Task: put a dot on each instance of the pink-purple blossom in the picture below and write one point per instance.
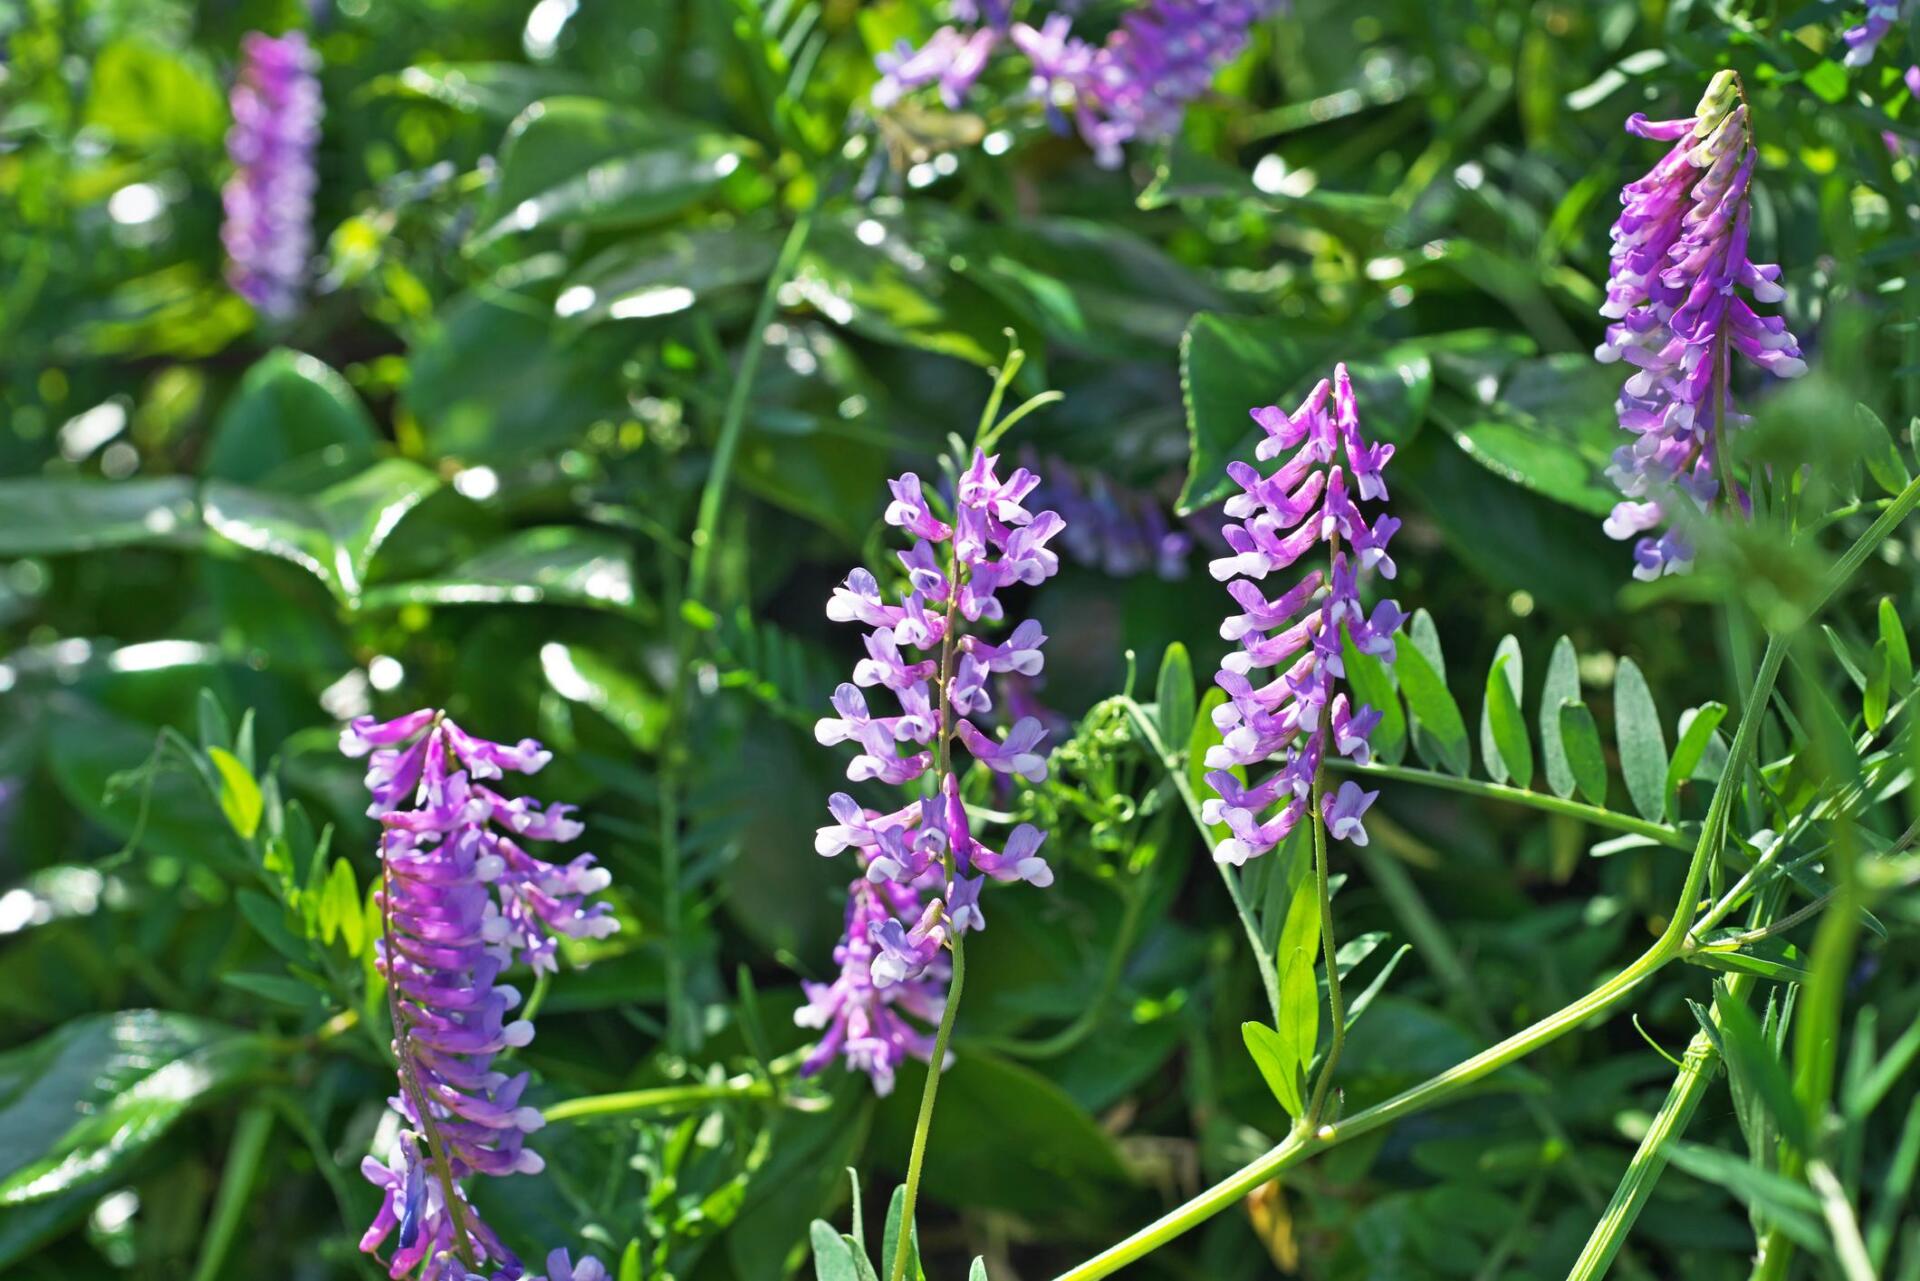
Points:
(461, 900)
(1863, 39)
(1312, 500)
(921, 865)
(1679, 262)
(268, 231)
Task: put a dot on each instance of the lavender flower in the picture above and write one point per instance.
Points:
(922, 868)
(1121, 529)
(1306, 502)
(1134, 87)
(1863, 40)
(460, 899)
(269, 200)
(1679, 251)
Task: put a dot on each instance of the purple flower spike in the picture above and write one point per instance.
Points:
(921, 868)
(269, 200)
(461, 899)
(1290, 709)
(1679, 259)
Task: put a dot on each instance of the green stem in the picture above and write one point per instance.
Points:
(1671, 837)
(1336, 1004)
(1066, 1038)
(236, 1186)
(658, 1099)
(917, 1158)
(1305, 1140)
(713, 494)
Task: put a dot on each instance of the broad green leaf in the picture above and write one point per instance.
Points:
(1893, 635)
(1562, 686)
(1373, 686)
(1232, 365)
(1174, 696)
(341, 910)
(142, 94)
(496, 90)
(556, 564)
(1502, 722)
(52, 516)
(239, 793)
(587, 677)
(630, 1262)
(211, 718)
(1273, 1055)
(78, 1105)
(832, 1255)
(269, 920)
(1643, 747)
(1696, 733)
(584, 162)
(1580, 738)
(1881, 455)
(289, 408)
(1507, 651)
(667, 273)
(1433, 708)
(1550, 427)
(277, 988)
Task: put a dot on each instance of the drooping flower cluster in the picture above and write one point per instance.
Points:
(268, 231)
(1679, 252)
(922, 868)
(1122, 530)
(1863, 40)
(1133, 87)
(1312, 499)
(461, 899)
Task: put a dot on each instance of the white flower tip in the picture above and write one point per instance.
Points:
(518, 1033)
(528, 1119)
(489, 867)
(1232, 850)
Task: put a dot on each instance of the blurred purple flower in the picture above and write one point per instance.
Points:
(460, 900)
(921, 866)
(1679, 251)
(1123, 531)
(268, 231)
(1863, 41)
(1304, 503)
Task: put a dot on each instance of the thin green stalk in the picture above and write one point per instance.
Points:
(1336, 1004)
(1080, 1028)
(1660, 833)
(917, 1158)
(244, 1156)
(1306, 1141)
(658, 1099)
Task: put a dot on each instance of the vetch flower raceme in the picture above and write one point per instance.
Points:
(1679, 259)
(1133, 87)
(1122, 530)
(1311, 500)
(269, 200)
(921, 866)
(461, 899)
(1863, 40)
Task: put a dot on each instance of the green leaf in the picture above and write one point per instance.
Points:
(1879, 452)
(1748, 962)
(545, 565)
(1754, 1067)
(890, 1239)
(584, 162)
(341, 913)
(52, 516)
(277, 988)
(496, 90)
(1174, 696)
(832, 1255)
(668, 273)
(1433, 708)
(1274, 1056)
(1231, 365)
(1893, 635)
(239, 794)
(142, 94)
(1562, 686)
(587, 677)
(978, 1272)
(1643, 747)
(1696, 732)
(1502, 726)
(289, 408)
(1549, 428)
(1783, 1201)
(1580, 738)
(1373, 686)
(80, 1104)
(1878, 693)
